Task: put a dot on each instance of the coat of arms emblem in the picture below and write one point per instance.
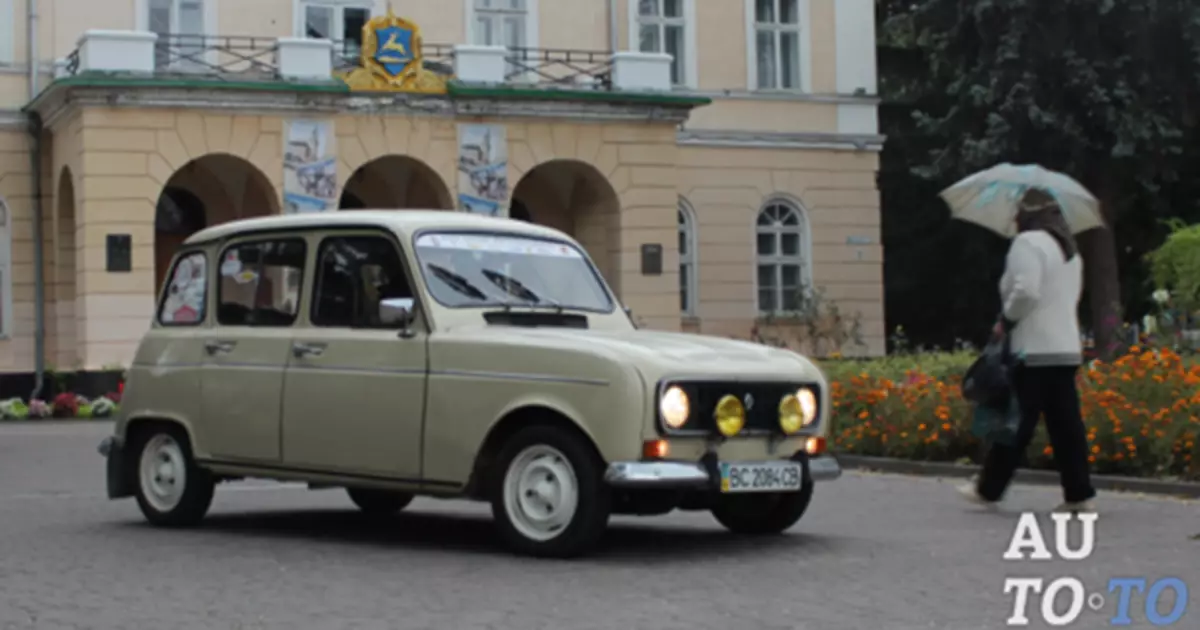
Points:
(391, 59)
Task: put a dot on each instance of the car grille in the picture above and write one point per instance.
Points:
(762, 416)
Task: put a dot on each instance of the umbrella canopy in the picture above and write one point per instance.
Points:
(989, 198)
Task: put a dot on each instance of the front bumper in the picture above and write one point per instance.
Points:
(700, 474)
(117, 470)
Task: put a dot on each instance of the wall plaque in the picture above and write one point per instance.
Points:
(652, 255)
(119, 252)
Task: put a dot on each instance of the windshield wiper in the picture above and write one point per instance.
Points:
(515, 288)
(456, 282)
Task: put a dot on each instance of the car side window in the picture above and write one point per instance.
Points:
(260, 283)
(186, 292)
(353, 274)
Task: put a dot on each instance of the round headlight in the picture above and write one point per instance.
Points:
(791, 418)
(808, 404)
(730, 415)
(674, 407)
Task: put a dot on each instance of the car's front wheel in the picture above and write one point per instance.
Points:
(763, 513)
(548, 494)
(171, 489)
(379, 502)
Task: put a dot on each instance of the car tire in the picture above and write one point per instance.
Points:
(379, 502)
(548, 494)
(171, 490)
(761, 514)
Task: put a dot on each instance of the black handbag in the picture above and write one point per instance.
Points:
(989, 382)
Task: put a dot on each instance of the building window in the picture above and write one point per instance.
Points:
(508, 23)
(777, 43)
(8, 32)
(687, 259)
(662, 27)
(334, 20)
(180, 27)
(783, 268)
(501, 23)
(5, 272)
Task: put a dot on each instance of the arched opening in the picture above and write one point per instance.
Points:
(573, 197)
(65, 332)
(209, 190)
(519, 212)
(395, 182)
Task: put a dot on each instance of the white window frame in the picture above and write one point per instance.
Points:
(339, 7)
(531, 28)
(6, 281)
(208, 8)
(8, 32)
(687, 229)
(690, 69)
(804, 259)
(803, 19)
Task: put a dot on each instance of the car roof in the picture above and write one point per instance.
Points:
(403, 221)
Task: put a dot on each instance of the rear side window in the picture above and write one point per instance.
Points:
(186, 292)
(260, 283)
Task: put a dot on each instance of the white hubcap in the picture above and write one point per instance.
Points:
(162, 472)
(541, 492)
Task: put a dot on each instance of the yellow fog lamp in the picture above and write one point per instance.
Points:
(674, 407)
(791, 418)
(808, 404)
(730, 415)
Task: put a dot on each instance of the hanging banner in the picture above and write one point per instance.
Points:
(309, 166)
(483, 169)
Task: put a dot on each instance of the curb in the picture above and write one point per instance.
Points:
(53, 422)
(1184, 489)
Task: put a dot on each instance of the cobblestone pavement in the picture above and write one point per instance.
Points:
(875, 552)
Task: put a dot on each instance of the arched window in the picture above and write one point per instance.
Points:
(783, 269)
(687, 259)
(5, 272)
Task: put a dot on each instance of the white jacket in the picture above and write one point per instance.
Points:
(1040, 292)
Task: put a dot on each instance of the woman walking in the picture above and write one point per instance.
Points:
(1040, 291)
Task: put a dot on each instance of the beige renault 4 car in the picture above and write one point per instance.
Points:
(444, 354)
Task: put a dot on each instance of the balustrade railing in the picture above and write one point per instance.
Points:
(560, 67)
(251, 57)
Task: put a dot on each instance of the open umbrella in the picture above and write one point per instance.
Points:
(989, 198)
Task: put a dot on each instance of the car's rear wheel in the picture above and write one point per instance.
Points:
(379, 502)
(758, 514)
(171, 489)
(548, 495)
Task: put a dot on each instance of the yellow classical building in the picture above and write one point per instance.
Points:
(714, 158)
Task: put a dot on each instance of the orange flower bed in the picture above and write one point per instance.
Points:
(1142, 413)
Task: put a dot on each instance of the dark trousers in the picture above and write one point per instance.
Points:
(1051, 391)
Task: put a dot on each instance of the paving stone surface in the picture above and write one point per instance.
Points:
(875, 552)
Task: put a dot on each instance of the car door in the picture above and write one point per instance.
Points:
(247, 349)
(354, 395)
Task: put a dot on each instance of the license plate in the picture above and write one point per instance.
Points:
(778, 476)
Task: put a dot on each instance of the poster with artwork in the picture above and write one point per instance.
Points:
(483, 169)
(309, 166)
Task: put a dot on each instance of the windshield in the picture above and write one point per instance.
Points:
(472, 270)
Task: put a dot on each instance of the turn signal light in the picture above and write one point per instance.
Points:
(815, 445)
(656, 449)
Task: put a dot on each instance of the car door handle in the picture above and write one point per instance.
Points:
(301, 349)
(213, 346)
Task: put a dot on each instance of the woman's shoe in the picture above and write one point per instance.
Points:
(971, 493)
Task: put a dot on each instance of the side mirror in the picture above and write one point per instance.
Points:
(396, 311)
